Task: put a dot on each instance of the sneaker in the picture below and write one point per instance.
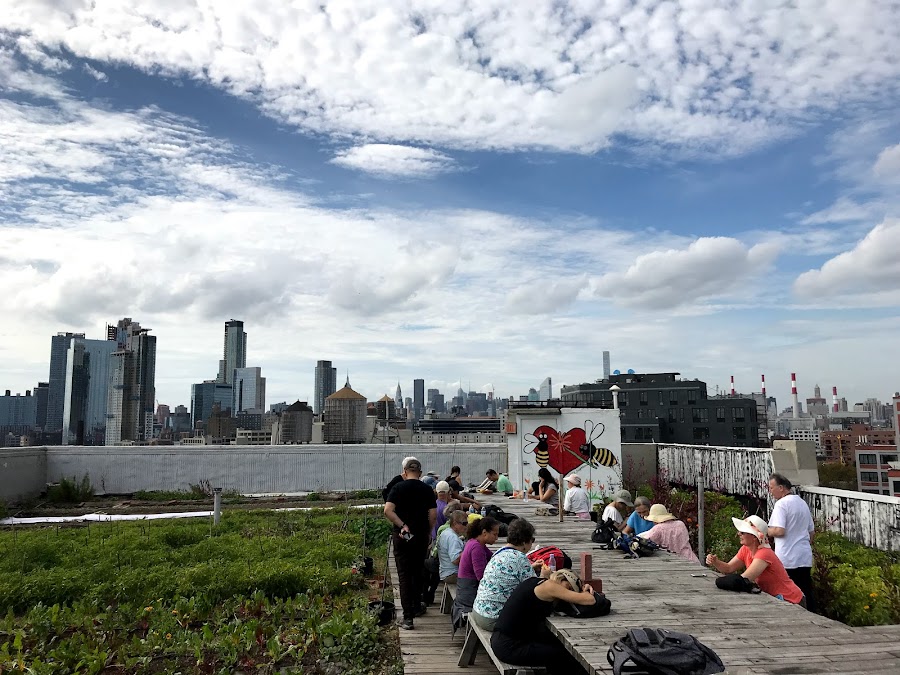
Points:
(407, 624)
(422, 609)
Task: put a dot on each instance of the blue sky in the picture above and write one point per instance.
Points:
(478, 191)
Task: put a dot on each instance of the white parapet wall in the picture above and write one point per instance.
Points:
(737, 471)
(262, 469)
(871, 520)
(23, 473)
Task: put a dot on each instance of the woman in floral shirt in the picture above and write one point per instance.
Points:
(507, 569)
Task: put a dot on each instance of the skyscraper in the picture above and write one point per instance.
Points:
(545, 393)
(606, 372)
(249, 391)
(205, 395)
(398, 399)
(418, 399)
(132, 383)
(325, 385)
(234, 350)
(87, 391)
(59, 345)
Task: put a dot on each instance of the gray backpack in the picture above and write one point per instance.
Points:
(658, 651)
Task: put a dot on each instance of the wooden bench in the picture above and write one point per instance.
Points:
(478, 637)
(448, 597)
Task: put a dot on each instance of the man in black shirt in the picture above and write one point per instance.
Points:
(412, 509)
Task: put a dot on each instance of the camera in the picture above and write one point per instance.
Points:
(406, 535)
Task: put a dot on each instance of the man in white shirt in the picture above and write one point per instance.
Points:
(792, 527)
(577, 500)
(612, 511)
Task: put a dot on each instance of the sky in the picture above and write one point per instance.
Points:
(485, 193)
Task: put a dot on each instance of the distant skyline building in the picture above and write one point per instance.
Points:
(18, 414)
(132, 384)
(234, 350)
(56, 392)
(325, 385)
(41, 393)
(606, 371)
(398, 399)
(206, 395)
(86, 391)
(545, 393)
(248, 391)
(418, 399)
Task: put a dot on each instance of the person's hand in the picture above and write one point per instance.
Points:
(588, 589)
(476, 504)
(712, 560)
(545, 572)
(537, 566)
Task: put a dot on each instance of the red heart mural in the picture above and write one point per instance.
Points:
(559, 450)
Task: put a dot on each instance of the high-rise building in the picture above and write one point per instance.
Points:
(606, 372)
(418, 399)
(248, 391)
(234, 350)
(41, 393)
(132, 384)
(325, 385)
(398, 399)
(206, 395)
(87, 391)
(18, 414)
(56, 392)
(545, 393)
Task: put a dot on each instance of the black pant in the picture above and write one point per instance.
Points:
(803, 578)
(410, 559)
(547, 652)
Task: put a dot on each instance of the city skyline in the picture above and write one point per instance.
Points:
(496, 192)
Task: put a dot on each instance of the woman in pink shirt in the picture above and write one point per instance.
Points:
(759, 562)
(669, 532)
(481, 533)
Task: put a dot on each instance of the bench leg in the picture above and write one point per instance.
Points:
(470, 649)
(446, 600)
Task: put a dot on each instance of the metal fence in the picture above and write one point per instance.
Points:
(737, 471)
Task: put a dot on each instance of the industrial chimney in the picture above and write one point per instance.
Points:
(834, 400)
(764, 386)
(796, 401)
(732, 385)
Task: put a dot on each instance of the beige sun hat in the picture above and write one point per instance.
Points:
(752, 525)
(659, 514)
(573, 478)
(623, 496)
(572, 578)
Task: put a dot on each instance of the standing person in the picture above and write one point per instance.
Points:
(412, 509)
(791, 525)
(637, 522)
(614, 509)
(577, 500)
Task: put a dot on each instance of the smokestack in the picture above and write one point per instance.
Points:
(834, 400)
(764, 386)
(732, 385)
(796, 411)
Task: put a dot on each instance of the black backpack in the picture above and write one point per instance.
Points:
(659, 651)
(633, 546)
(498, 514)
(605, 532)
(600, 607)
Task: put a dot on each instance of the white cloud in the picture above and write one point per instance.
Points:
(389, 161)
(868, 274)
(494, 74)
(844, 210)
(887, 166)
(96, 74)
(545, 296)
(710, 267)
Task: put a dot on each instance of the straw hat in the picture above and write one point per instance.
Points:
(659, 514)
(573, 478)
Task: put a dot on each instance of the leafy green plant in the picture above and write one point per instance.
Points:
(313, 497)
(71, 491)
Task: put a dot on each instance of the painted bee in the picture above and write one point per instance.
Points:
(596, 456)
(541, 446)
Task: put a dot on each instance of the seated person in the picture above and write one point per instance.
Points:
(670, 533)
(489, 484)
(443, 498)
(548, 490)
(507, 568)
(504, 484)
(577, 501)
(637, 522)
(450, 546)
(431, 479)
(615, 510)
(521, 635)
(759, 562)
(456, 488)
(480, 534)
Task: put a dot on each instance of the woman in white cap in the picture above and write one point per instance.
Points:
(577, 501)
(670, 533)
(759, 562)
(614, 509)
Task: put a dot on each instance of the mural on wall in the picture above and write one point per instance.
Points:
(571, 442)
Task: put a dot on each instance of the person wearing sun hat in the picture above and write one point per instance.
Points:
(670, 533)
(613, 510)
(577, 501)
(759, 562)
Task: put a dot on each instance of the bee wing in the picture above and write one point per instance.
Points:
(530, 440)
(593, 431)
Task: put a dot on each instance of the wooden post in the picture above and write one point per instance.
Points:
(701, 516)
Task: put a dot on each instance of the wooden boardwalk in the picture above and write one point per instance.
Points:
(753, 634)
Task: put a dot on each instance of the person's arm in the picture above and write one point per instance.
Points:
(775, 532)
(733, 565)
(547, 495)
(390, 512)
(550, 590)
(777, 522)
(479, 562)
(432, 519)
(567, 502)
(628, 529)
(457, 549)
(757, 567)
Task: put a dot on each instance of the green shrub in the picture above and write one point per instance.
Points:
(313, 497)
(70, 491)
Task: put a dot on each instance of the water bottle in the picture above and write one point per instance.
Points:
(472, 509)
(552, 563)
(483, 511)
(525, 493)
